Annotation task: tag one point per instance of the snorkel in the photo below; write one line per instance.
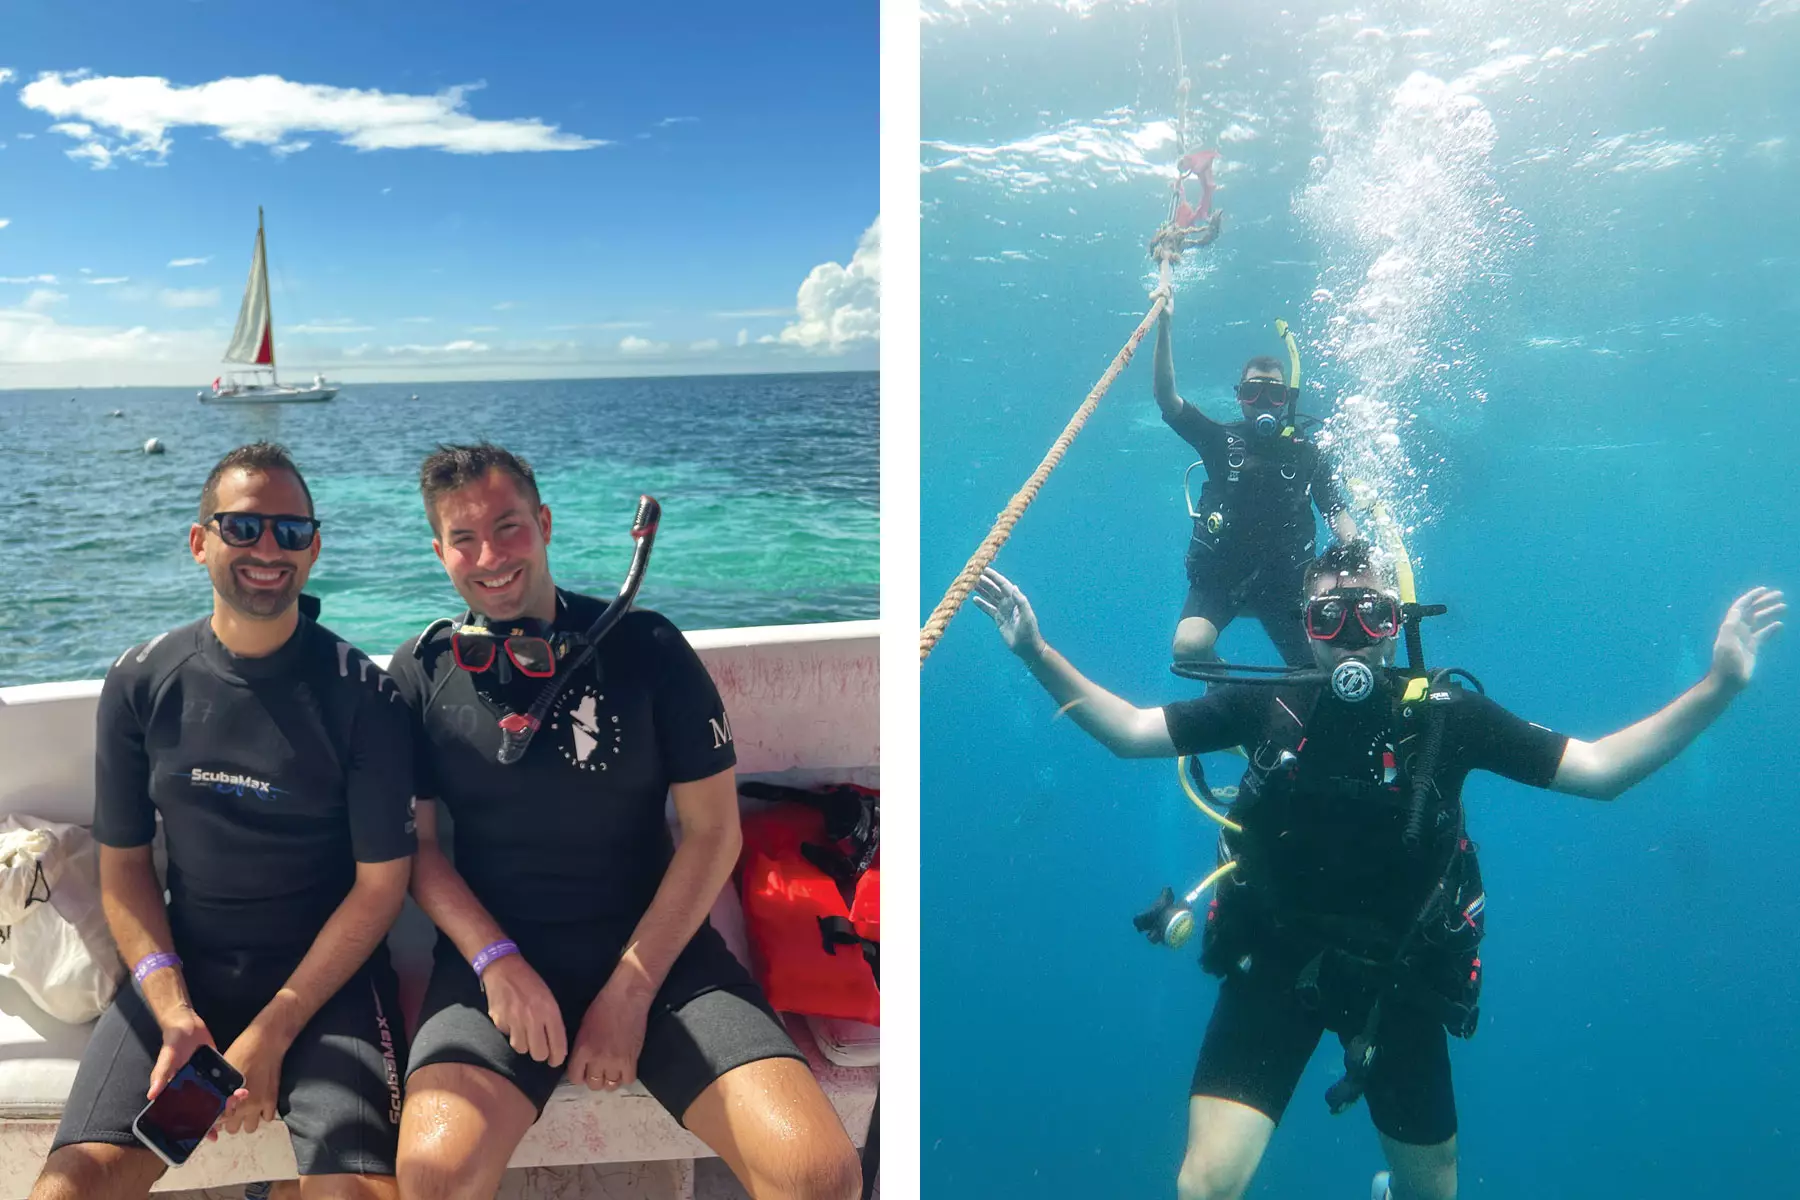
(517, 729)
(1288, 415)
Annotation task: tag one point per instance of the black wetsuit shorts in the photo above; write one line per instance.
(1261, 1038)
(340, 1081)
(708, 1018)
(1269, 590)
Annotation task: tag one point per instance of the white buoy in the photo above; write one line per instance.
(414, 396)
(153, 446)
(117, 412)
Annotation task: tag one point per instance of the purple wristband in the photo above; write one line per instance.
(491, 954)
(150, 964)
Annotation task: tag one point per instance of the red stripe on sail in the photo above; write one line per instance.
(265, 353)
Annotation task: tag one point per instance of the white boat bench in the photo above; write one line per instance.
(804, 704)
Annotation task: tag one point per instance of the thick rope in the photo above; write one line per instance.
(1003, 527)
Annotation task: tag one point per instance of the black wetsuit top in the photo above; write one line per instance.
(274, 777)
(1268, 510)
(575, 832)
(1336, 847)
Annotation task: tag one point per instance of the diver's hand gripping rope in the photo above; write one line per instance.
(990, 546)
(517, 729)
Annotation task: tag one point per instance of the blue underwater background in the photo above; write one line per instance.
(1544, 265)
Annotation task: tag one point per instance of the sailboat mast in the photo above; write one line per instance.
(262, 251)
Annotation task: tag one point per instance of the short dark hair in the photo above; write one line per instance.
(261, 457)
(451, 467)
(1262, 362)
(1355, 557)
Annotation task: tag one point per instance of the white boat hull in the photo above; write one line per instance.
(269, 395)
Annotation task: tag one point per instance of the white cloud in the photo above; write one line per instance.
(35, 350)
(668, 121)
(504, 305)
(703, 346)
(482, 329)
(41, 299)
(5, 221)
(189, 297)
(740, 314)
(743, 337)
(631, 343)
(461, 346)
(190, 262)
(328, 327)
(103, 281)
(838, 306)
(5, 74)
(97, 155)
(131, 116)
(415, 320)
(27, 279)
(603, 325)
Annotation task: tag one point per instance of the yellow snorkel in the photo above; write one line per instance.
(1286, 333)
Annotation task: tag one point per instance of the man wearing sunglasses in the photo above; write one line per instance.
(574, 935)
(1253, 522)
(279, 760)
(1331, 911)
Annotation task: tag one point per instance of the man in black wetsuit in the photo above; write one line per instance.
(1340, 910)
(575, 938)
(279, 759)
(1254, 531)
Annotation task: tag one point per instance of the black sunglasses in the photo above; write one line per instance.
(246, 529)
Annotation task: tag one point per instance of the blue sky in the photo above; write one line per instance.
(452, 190)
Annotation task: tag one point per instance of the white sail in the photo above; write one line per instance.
(254, 340)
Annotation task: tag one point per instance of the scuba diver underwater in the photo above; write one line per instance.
(1252, 523)
(1347, 895)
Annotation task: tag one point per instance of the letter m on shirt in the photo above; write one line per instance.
(721, 729)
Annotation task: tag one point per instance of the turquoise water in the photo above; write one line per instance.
(1552, 244)
(768, 484)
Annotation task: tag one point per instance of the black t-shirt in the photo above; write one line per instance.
(274, 777)
(1337, 845)
(574, 832)
(1264, 504)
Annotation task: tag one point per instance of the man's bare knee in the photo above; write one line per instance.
(1204, 1177)
(97, 1171)
(458, 1130)
(1225, 1144)
(1194, 639)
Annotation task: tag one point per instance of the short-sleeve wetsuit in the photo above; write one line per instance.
(1254, 533)
(273, 777)
(566, 847)
(1340, 854)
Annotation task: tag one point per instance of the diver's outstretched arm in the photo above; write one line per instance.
(1605, 768)
(1123, 728)
(1163, 379)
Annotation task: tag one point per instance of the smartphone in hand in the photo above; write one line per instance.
(184, 1112)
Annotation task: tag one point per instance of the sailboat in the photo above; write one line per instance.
(253, 344)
